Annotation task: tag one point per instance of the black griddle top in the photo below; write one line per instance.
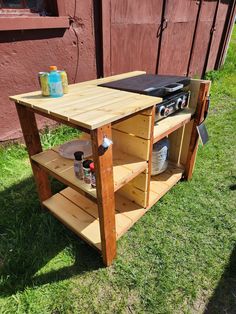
(148, 84)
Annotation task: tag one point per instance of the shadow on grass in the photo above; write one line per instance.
(223, 299)
(31, 238)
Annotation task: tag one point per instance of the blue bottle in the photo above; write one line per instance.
(55, 83)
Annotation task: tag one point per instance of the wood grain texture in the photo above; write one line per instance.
(168, 125)
(105, 192)
(80, 215)
(163, 182)
(130, 144)
(96, 107)
(138, 125)
(33, 145)
(199, 116)
(75, 218)
(152, 141)
(125, 168)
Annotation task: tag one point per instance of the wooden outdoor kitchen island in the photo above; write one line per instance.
(125, 189)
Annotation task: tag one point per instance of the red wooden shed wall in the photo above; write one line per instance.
(163, 36)
(107, 37)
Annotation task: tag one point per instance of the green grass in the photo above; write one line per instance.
(174, 260)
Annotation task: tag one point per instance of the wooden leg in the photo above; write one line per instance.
(150, 155)
(199, 116)
(105, 192)
(33, 144)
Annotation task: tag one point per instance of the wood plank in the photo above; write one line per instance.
(77, 100)
(139, 125)
(122, 222)
(62, 169)
(33, 145)
(153, 112)
(186, 141)
(99, 103)
(82, 201)
(162, 183)
(125, 168)
(106, 36)
(129, 208)
(77, 87)
(141, 181)
(89, 108)
(105, 193)
(193, 146)
(81, 215)
(113, 111)
(132, 145)
(75, 218)
(172, 123)
(134, 194)
(176, 143)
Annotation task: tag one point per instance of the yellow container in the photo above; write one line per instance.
(43, 80)
(64, 80)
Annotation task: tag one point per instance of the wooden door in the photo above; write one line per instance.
(177, 37)
(217, 33)
(131, 41)
(202, 37)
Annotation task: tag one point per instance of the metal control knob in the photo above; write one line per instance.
(179, 103)
(162, 110)
(185, 103)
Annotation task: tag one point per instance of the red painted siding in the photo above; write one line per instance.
(24, 53)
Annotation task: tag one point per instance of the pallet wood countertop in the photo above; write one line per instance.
(125, 188)
(89, 105)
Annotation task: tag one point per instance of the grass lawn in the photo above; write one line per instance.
(177, 259)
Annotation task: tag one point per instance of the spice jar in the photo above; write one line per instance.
(92, 174)
(87, 171)
(78, 165)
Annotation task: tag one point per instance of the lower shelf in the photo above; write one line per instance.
(80, 214)
(162, 183)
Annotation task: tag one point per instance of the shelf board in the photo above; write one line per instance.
(162, 183)
(125, 168)
(172, 123)
(80, 214)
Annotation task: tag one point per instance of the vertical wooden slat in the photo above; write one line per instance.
(226, 34)
(106, 36)
(150, 156)
(194, 36)
(33, 144)
(210, 39)
(193, 146)
(61, 7)
(105, 192)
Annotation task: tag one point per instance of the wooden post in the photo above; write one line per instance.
(199, 117)
(33, 144)
(105, 192)
(150, 154)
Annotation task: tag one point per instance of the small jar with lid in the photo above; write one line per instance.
(93, 177)
(87, 171)
(78, 165)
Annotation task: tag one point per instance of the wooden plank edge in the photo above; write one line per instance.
(91, 196)
(172, 129)
(160, 195)
(131, 177)
(96, 246)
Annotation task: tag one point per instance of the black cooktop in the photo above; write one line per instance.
(148, 84)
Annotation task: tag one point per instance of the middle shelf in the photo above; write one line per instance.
(125, 168)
